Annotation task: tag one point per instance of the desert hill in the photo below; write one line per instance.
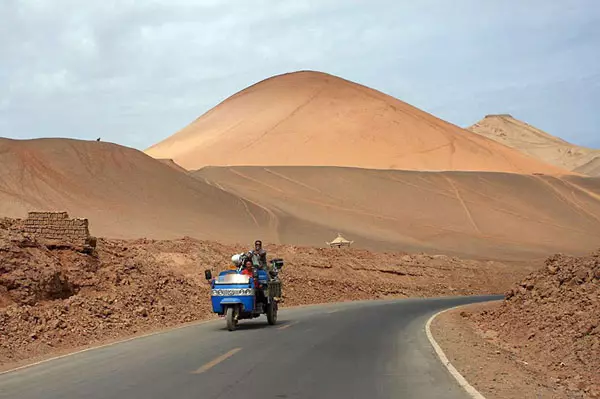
(124, 193)
(534, 142)
(470, 214)
(127, 194)
(315, 119)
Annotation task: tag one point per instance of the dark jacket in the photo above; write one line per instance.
(260, 257)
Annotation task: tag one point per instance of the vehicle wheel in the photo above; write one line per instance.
(272, 313)
(231, 318)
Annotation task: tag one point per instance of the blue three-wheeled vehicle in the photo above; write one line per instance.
(236, 296)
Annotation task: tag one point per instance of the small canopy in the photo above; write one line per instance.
(339, 241)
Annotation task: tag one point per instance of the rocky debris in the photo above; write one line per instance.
(54, 298)
(551, 320)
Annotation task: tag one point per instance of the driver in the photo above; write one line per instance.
(258, 255)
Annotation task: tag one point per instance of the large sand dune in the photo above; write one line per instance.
(127, 194)
(124, 193)
(316, 119)
(474, 214)
(534, 142)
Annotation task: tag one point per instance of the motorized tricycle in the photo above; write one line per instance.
(236, 296)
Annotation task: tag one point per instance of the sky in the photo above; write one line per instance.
(135, 72)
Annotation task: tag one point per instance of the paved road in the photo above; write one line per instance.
(351, 350)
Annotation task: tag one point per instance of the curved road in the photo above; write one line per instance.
(350, 350)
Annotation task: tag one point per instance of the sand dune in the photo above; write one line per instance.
(471, 214)
(173, 164)
(534, 142)
(316, 119)
(591, 168)
(127, 194)
(124, 193)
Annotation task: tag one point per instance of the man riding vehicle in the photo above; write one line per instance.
(259, 256)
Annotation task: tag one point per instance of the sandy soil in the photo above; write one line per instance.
(56, 300)
(312, 118)
(534, 142)
(550, 320)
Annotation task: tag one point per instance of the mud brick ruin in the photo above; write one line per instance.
(58, 229)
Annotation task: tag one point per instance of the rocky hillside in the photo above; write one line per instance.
(54, 299)
(551, 320)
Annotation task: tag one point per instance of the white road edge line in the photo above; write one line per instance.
(474, 393)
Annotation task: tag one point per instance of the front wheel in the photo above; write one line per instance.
(231, 317)
(272, 312)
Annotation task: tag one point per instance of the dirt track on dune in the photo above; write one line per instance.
(56, 300)
(482, 215)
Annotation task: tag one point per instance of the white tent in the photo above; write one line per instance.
(339, 242)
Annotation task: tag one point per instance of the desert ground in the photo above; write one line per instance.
(544, 337)
(433, 210)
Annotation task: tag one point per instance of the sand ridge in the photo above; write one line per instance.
(591, 168)
(172, 164)
(316, 119)
(536, 143)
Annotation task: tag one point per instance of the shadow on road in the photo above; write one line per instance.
(255, 325)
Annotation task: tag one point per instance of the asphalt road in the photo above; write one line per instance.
(351, 350)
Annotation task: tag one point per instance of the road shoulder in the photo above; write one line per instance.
(493, 371)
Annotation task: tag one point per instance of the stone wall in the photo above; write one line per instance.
(58, 228)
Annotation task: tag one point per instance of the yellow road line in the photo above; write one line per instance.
(216, 361)
(285, 326)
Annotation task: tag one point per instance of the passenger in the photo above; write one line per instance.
(247, 270)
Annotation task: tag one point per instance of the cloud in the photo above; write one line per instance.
(135, 72)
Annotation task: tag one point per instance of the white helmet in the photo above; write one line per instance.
(235, 259)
